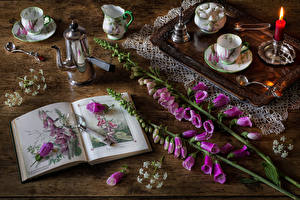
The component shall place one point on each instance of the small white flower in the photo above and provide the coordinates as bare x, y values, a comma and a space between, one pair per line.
34, 93
38, 87
149, 186
275, 142
21, 84
290, 147
30, 83
283, 138
35, 77
43, 79
41, 71
6, 103
25, 78
31, 70
45, 86
6, 94
158, 164
146, 175
284, 154
280, 147
27, 90
140, 180
152, 181
165, 176
160, 185
146, 164
156, 176
141, 171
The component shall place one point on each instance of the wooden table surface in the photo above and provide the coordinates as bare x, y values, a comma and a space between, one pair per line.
84, 181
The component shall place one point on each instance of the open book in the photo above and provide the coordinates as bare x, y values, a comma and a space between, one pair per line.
58, 123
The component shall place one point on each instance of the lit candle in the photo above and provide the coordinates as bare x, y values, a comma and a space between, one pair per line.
280, 24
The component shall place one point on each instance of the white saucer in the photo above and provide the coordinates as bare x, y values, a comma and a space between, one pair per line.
242, 62
46, 32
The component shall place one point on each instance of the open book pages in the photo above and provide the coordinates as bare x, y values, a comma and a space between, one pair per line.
52, 123
117, 124
57, 123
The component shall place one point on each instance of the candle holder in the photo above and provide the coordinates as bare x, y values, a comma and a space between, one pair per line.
276, 52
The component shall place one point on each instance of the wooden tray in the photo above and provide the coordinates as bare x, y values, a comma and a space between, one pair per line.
192, 55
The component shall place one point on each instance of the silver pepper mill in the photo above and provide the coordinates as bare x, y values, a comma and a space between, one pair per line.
180, 34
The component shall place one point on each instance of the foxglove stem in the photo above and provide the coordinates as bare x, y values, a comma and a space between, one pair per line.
106, 45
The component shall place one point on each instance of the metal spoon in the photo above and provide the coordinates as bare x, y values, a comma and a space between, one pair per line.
12, 48
243, 81
251, 27
83, 127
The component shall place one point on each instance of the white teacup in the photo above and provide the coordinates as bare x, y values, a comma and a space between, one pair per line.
34, 20
229, 47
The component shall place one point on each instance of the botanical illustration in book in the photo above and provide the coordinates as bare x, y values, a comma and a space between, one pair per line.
59, 138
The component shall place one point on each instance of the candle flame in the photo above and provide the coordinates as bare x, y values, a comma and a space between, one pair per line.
269, 83
281, 13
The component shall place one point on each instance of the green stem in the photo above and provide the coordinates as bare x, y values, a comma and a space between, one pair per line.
106, 45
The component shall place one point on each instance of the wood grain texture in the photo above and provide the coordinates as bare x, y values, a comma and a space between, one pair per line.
192, 55
84, 181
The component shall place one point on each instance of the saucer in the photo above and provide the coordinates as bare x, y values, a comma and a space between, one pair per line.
242, 62
21, 34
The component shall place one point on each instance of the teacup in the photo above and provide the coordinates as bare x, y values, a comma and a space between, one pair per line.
34, 20
229, 48
114, 23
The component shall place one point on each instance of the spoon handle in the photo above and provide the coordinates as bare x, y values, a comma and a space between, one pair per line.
35, 55
259, 83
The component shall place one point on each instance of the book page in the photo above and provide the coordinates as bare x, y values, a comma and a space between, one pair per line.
53, 123
116, 124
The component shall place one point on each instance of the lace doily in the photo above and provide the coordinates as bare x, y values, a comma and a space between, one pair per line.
268, 118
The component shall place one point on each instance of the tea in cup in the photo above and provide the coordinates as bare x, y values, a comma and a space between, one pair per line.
114, 24
229, 48
34, 20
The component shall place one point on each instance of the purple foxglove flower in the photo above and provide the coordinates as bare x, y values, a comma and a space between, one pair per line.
187, 114
167, 102
210, 147
96, 107
221, 100
254, 136
219, 175
200, 86
208, 126
164, 96
177, 152
171, 146
239, 153
244, 121
196, 119
156, 95
189, 133
189, 162
150, 85
179, 112
226, 148
151, 91
200, 96
172, 108
178, 142
233, 112
156, 139
114, 178
46, 149
207, 167
203, 136
183, 152
162, 141
167, 141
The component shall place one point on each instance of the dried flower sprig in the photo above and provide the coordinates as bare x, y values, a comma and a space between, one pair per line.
219, 175
137, 71
282, 148
13, 99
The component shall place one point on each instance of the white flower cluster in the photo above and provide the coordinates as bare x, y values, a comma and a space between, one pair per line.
282, 148
13, 99
152, 175
30, 84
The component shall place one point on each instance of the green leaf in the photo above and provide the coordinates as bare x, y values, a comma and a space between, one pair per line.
272, 173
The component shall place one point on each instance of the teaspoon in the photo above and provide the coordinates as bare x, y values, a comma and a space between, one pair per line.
251, 27
243, 81
11, 47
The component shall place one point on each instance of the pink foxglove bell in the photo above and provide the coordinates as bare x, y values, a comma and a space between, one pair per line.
207, 167
210, 147
239, 153
220, 101
219, 175
233, 112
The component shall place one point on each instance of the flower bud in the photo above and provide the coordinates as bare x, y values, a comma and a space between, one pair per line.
220, 101
161, 141
150, 85
141, 81
171, 146
147, 81
254, 136
183, 152
156, 139
201, 137
167, 141
189, 133
114, 178
226, 148
239, 153
178, 142
244, 121
151, 91
233, 112
177, 152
